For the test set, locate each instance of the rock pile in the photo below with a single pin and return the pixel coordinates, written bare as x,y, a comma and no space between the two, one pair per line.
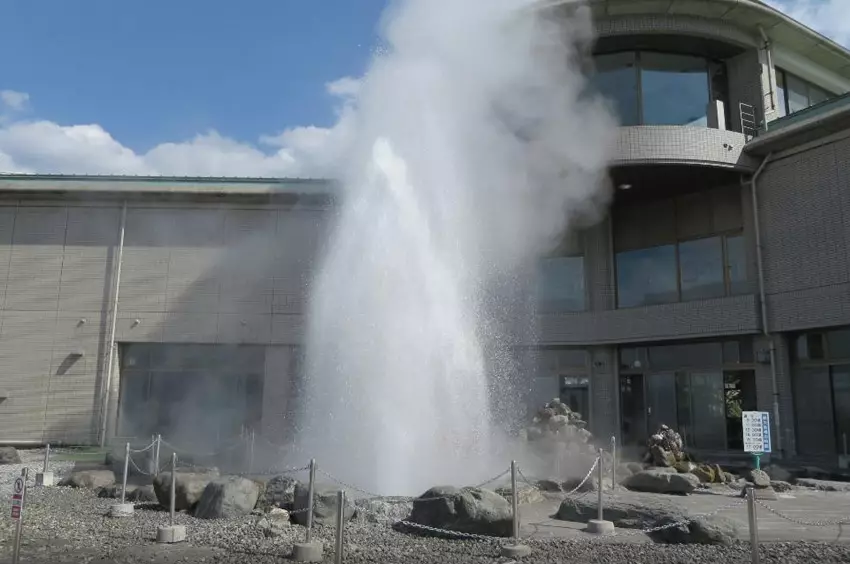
559,433
665,448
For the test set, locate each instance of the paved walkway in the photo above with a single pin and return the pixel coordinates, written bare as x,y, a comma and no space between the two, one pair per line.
807,506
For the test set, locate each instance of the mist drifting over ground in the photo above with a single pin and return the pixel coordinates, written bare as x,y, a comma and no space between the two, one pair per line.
474,144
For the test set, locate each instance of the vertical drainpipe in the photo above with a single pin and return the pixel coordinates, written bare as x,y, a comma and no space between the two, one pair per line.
763,303
770,78
113,325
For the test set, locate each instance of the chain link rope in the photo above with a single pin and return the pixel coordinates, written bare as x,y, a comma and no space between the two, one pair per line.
842,521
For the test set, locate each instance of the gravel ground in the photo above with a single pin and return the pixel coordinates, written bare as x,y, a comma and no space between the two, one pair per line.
34,460
64,525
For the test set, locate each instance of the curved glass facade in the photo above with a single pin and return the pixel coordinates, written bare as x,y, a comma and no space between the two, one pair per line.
651,88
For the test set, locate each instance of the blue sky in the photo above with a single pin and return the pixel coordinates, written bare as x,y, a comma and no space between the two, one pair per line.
206,87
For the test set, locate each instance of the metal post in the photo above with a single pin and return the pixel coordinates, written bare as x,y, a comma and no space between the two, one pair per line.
173,500
514,502
157,442
310,491
19,525
754,531
126,468
843,440
613,462
47,456
340,525
251,453
599,486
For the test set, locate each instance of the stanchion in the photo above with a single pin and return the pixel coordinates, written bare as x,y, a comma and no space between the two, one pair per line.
19,500
309,551
157,442
251,453
45,478
515,550
340,526
123,509
172,533
600,526
613,463
753,522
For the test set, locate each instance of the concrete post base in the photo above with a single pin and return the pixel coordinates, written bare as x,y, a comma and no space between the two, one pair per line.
121,510
44,479
597,527
515,551
307,552
171,534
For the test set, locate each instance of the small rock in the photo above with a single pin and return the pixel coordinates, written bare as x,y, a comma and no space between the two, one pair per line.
526,495
382,511
780,486
280,492
758,478
324,505
704,473
189,486
274,523
9,455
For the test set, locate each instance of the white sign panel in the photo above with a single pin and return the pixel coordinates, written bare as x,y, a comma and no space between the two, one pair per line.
756,431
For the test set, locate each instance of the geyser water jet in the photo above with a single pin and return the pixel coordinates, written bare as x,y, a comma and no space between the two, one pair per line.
474,143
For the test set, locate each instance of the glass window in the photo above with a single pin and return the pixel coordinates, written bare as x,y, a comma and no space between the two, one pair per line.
736,264
647,276
841,395
838,343
798,93
674,89
781,95
817,95
616,78
810,347
700,268
561,284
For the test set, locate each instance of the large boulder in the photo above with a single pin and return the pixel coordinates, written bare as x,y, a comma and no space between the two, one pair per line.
467,510
9,455
382,510
324,505
525,494
189,486
647,511
227,498
758,478
661,482
89,479
824,485
280,492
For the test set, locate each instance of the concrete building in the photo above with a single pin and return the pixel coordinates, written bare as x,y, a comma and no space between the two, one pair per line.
719,282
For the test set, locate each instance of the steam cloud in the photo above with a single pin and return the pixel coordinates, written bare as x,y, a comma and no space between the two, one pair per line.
475,144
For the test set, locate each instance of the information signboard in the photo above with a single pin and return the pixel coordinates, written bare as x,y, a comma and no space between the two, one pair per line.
756,431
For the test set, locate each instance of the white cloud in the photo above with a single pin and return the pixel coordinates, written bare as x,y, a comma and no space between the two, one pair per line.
14,100
46,147
828,17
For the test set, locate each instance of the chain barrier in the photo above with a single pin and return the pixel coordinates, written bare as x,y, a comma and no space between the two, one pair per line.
686,521
560,487
842,521
145,449
269,471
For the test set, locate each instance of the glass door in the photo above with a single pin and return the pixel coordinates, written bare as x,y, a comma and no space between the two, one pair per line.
661,407
632,410
841,395
574,393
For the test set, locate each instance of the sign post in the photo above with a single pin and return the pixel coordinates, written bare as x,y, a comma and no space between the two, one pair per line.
19,495
756,426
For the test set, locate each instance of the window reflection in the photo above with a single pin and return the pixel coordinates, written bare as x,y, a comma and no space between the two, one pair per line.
646,276
675,89
561,284
796,94
701,268
659,88
736,264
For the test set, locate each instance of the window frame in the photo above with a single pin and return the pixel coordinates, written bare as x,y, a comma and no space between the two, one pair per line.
570,246
782,86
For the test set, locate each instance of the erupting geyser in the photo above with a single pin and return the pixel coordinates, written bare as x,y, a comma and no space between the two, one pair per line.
474,143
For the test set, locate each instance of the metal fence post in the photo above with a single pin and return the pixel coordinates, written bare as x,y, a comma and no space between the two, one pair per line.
514,502
310,492
599,486
753,518
251,453
126,468
158,440
46,458
613,462
173,494
340,525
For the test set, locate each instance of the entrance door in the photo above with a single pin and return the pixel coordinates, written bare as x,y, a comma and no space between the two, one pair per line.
574,393
632,409
661,407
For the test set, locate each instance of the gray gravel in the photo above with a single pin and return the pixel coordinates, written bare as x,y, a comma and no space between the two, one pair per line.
66,525
34,460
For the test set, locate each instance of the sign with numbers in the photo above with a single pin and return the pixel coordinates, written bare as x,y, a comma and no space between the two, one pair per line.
756,431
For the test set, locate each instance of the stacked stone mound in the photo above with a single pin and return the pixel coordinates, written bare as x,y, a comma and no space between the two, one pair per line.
665,448
559,431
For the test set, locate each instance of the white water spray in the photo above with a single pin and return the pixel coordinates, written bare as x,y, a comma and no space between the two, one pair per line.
473,147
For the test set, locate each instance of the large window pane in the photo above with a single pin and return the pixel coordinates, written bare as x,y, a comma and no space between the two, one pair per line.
736,264
647,276
781,95
674,89
798,93
561,284
708,410
701,268
838,344
616,79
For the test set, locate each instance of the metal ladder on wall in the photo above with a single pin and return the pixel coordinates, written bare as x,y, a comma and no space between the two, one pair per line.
749,123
